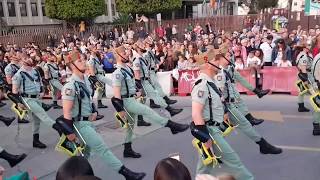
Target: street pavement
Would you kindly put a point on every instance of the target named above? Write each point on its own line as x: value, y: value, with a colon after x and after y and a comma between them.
x: 284, y: 127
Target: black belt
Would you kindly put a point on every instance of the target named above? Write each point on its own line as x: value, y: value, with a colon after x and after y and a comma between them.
x: 153, y: 69
x: 212, y: 123
x: 145, y: 78
x: 126, y: 96
x: 29, y: 96
x: 82, y: 119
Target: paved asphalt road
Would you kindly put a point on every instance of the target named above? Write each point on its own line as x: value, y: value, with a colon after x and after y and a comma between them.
x: 300, y: 159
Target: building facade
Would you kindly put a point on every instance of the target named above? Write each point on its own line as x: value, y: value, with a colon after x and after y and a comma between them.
x: 32, y: 12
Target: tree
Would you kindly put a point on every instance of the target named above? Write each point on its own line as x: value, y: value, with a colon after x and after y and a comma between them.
x: 256, y: 5
x: 74, y: 10
x: 147, y: 6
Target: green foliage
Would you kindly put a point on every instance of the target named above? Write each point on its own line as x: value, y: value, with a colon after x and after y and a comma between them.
x: 263, y: 4
x: 74, y: 10
x: 123, y: 19
x: 147, y: 6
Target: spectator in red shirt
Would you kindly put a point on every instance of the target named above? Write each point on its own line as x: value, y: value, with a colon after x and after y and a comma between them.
x: 160, y: 31
x: 316, y: 48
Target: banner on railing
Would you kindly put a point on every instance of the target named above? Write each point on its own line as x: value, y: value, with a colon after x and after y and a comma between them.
x: 186, y: 81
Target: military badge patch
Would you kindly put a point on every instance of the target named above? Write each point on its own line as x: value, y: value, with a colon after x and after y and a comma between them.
x: 200, y: 94
x: 68, y: 92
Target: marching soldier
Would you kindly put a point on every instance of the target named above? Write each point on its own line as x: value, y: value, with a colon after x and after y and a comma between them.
x: 315, y: 71
x: 26, y: 87
x: 52, y: 75
x: 153, y: 67
x: 96, y: 71
x: 127, y: 89
x: 208, y: 114
x: 224, y: 82
x: 235, y: 76
x: 10, y: 70
x: 79, y: 111
x: 304, y: 62
x: 12, y: 159
x: 142, y: 76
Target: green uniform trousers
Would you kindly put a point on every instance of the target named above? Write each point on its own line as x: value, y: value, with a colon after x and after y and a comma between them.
x: 135, y: 108
x: 153, y: 94
x: 237, y: 118
x: 155, y: 83
x: 243, y: 81
x: 104, y: 80
x: 316, y: 117
x: 96, y: 144
x: 231, y: 161
x: 38, y: 114
x: 241, y: 105
x: 55, y: 87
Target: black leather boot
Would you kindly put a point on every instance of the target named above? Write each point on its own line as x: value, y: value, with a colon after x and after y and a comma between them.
x: 302, y: 108
x: 2, y: 104
x: 172, y: 111
x: 23, y: 121
x: 13, y: 160
x: 169, y: 101
x: 266, y: 148
x: 154, y: 105
x: 316, y: 129
x: 37, y: 143
x: 99, y: 116
x: 253, y: 121
x: 176, y: 127
x: 100, y: 105
x: 56, y: 106
x: 141, y: 122
x: 128, y: 152
x: 130, y: 175
x: 7, y: 120
x: 260, y: 93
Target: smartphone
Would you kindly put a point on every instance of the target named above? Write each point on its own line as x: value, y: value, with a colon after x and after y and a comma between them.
x: 175, y: 156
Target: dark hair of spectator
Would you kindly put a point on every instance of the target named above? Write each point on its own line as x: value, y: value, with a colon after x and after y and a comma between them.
x: 171, y: 169
x: 73, y: 167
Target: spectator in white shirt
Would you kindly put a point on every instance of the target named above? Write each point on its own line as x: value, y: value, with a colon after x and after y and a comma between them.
x: 182, y: 62
x: 266, y: 48
x: 253, y: 62
x: 130, y: 33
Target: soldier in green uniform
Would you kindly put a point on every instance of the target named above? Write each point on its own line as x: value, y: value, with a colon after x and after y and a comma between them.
x: 26, y: 90
x: 235, y: 114
x: 10, y: 70
x: 304, y: 62
x: 96, y: 71
x: 208, y: 114
x: 315, y: 72
x: 142, y: 76
x: 153, y: 62
x: 79, y: 110
x: 126, y: 91
x: 52, y: 75
x: 235, y: 76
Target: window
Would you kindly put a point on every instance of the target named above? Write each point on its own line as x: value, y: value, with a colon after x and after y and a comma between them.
x: 107, y: 10
x: 1, y: 10
x: 43, y: 9
x: 113, y: 10
x: 34, y: 9
x: 23, y: 9
x: 11, y: 9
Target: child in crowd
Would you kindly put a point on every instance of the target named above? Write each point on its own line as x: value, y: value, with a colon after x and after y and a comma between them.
x: 284, y: 63
x: 239, y: 63
x: 253, y: 62
x: 182, y: 62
